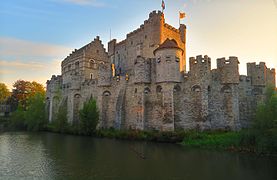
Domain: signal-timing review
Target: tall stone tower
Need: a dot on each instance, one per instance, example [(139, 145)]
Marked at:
[(144, 40), (168, 76), (168, 56)]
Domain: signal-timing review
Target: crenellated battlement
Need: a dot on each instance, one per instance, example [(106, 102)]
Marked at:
[(260, 74), (155, 13), (228, 70), (142, 83), (141, 28), (199, 66), (77, 53), (171, 28), (153, 16), (223, 62), (200, 60)]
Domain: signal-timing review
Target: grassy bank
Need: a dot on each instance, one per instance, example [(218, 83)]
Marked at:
[(168, 137), (249, 140)]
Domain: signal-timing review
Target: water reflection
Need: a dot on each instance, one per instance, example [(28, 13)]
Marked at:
[(55, 156)]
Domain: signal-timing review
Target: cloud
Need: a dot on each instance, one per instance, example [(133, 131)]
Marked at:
[(6, 71), (10, 71), (18, 48), (28, 60), (94, 3), (21, 65)]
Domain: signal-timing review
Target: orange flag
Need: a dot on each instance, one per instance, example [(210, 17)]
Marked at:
[(182, 15)]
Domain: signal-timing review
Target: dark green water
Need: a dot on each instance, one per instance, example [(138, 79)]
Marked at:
[(53, 156)]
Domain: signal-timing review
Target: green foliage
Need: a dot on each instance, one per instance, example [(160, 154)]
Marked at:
[(60, 123), (31, 119), (157, 136), (212, 139), (17, 121), (89, 117), (260, 138), (23, 90), (35, 115), (266, 115), (4, 93)]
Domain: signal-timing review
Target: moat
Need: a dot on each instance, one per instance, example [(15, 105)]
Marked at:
[(54, 156)]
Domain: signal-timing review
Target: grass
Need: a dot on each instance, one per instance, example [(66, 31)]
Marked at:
[(221, 140)]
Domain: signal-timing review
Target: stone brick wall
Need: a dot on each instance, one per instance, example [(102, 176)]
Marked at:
[(150, 90)]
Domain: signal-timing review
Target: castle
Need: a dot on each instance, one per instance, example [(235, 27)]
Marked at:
[(141, 83)]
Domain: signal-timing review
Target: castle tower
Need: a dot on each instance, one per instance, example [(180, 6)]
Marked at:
[(168, 56), (260, 75), (228, 73), (200, 67), (228, 70)]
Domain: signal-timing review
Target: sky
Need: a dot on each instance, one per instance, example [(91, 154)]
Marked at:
[(35, 36)]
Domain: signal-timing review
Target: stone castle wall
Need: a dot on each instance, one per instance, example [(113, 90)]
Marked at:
[(150, 90)]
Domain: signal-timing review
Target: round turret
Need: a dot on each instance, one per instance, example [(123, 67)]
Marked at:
[(168, 56)]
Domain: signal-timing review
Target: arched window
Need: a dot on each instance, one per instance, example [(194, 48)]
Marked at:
[(106, 93), (177, 59), (92, 64), (177, 88), (159, 89), (158, 59), (257, 91), (168, 58), (226, 89), (77, 64), (147, 90), (196, 88)]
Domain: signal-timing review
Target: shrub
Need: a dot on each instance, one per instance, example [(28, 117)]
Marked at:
[(89, 117), (35, 115), (17, 121), (60, 123)]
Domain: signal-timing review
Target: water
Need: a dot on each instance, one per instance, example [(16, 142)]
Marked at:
[(54, 156)]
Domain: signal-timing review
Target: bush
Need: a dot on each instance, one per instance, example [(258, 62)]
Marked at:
[(266, 114), (17, 121), (35, 115), (262, 136), (89, 117), (60, 123)]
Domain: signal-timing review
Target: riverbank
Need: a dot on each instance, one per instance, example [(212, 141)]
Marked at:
[(247, 140)]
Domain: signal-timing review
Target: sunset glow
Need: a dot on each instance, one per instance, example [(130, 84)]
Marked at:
[(36, 36)]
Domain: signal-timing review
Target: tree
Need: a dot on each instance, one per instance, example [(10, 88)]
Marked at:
[(60, 123), (4, 92), (266, 115), (89, 117), (35, 115), (23, 90)]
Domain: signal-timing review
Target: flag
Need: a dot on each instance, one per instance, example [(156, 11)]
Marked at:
[(163, 5), (182, 15)]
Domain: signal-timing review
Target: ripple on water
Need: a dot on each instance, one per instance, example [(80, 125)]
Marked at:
[(53, 156)]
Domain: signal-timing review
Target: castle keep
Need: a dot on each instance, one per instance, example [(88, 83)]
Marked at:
[(142, 83)]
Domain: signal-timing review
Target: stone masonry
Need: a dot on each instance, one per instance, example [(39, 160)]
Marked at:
[(141, 83)]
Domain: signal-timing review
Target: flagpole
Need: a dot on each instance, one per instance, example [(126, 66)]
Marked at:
[(179, 19), (110, 34), (162, 7)]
